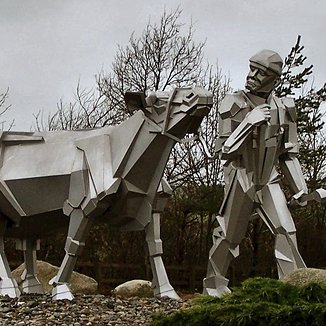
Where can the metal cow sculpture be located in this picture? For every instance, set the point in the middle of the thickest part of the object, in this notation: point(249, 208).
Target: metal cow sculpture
point(69, 179)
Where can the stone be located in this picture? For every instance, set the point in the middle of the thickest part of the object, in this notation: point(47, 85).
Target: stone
point(304, 276)
point(79, 283)
point(84, 310)
point(134, 288)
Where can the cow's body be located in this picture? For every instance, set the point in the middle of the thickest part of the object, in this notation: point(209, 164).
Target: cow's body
point(53, 180)
point(40, 180)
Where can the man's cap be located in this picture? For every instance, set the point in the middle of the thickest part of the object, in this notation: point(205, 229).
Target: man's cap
point(268, 59)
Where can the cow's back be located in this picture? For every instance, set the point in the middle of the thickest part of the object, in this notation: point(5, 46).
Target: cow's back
point(35, 174)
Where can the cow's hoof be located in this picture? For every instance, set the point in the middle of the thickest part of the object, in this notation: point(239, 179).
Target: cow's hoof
point(62, 292)
point(32, 285)
point(9, 287)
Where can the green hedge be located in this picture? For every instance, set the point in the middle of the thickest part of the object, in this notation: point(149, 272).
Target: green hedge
point(259, 301)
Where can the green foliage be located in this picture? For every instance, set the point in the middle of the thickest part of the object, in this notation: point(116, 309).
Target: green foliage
point(259, 301)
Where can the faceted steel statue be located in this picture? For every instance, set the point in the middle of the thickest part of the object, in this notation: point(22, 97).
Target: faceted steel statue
point(50, 181)
point(257, 139)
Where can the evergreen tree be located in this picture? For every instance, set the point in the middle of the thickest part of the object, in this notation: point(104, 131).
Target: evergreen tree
point(310, 104)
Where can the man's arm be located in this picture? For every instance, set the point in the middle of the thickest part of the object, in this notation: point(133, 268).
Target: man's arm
point(230, 140)
point(256, 117)
point(292, 172)
point(289, 163)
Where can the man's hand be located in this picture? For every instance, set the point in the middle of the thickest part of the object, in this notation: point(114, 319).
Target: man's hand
point(301, 198)
point(259, 114)
point(298, 199)
point(256, 117)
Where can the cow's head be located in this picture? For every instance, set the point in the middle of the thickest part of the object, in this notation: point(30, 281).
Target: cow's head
point(176, 113)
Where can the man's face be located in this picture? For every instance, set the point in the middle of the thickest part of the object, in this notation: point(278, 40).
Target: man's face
point(260, 80)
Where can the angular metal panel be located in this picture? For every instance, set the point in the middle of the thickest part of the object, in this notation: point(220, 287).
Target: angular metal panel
point(51, 180)
point(256, 139)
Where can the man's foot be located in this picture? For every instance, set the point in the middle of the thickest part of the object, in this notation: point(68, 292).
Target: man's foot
point(62, 292)
point(219, 292)
point(216, 286)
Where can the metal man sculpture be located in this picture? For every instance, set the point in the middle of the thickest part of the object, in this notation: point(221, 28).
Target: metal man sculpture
point(257, 138)
point(69, 179)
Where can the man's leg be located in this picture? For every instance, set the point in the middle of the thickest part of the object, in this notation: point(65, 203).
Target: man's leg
point(233, 222)
point(275, 213)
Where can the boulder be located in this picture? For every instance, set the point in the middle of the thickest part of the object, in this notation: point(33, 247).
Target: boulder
point(79, 283)
point(134, 288)
point(304, 276)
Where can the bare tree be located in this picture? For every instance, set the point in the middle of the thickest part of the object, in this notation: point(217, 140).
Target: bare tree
point(88, 110)
point(164, 55)
point(4, 124)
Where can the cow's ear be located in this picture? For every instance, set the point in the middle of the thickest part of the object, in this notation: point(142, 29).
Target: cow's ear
point(135, 101)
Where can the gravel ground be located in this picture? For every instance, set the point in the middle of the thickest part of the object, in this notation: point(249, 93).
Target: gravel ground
point(84, 310)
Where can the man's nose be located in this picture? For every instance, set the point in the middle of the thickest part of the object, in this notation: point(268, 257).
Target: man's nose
point(253, 72)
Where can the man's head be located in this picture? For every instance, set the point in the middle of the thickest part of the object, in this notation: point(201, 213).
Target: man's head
point(265, 72)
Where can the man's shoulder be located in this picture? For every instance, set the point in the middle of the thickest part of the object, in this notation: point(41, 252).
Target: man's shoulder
point(232, 104)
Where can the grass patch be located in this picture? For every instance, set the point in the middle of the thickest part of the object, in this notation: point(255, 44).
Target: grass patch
point(259, 301)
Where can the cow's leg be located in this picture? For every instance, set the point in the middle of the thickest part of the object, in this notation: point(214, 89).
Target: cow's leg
point(30, 284)
point(80, 187)
point(160, 284)
point(78, 229)
point(8, 285)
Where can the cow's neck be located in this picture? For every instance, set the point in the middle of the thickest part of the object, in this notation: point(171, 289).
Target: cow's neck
point(141, 152)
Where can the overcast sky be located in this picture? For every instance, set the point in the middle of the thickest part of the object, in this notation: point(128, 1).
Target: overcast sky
point(48, 45)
